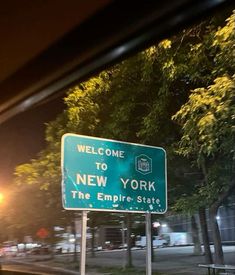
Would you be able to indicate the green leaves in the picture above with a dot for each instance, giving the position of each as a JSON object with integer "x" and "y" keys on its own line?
{"x": 224, "y": 43}
{"x": 83, "y": 104}
{"x": 207, "y": 119}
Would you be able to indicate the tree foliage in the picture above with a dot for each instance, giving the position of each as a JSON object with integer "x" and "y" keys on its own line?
{"x": 208, "y": 138}
{"x": 207, "y": 118}
{"x": 209, "y": 134}
{"x": 40, "y": 180}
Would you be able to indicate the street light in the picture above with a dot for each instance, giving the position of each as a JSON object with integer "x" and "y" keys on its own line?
{"x": 1, "y": 198}
{"x": 156, "y": 224}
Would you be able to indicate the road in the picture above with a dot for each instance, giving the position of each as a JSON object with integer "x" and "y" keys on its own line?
{"x": 172, "y": 260}
{"x": 22, "y": 265}
{"x": 26, "y": 268}
{"x": 169, "y": 260}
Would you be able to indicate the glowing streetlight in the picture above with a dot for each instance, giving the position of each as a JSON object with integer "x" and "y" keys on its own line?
{"x": 156, "y": 224}
{"x": 1, "y": 197}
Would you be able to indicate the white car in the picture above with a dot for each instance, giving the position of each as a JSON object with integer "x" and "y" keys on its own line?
{"x": 157, "y": 241}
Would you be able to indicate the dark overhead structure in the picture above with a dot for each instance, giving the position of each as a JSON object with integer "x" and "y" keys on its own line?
{"x": 47, "y": 46}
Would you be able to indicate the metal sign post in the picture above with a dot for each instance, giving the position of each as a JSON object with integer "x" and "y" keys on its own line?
{"x": 123, "y": 245}
{"x": 148, "y": 245}
{"x": 83, "y": 244}
{"x": 108, "y": 175}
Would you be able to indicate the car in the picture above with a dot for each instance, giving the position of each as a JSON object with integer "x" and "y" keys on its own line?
{"x": 157, "y": 241}
{"x": 8, "y": 251}
{"x": 42, "y": 250}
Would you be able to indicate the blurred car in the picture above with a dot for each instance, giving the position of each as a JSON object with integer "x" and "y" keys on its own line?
{"x": 42, "y": 250}
{"x": 113, "y": 245}
{"x": 157, "y": 241}
{"x": 8, "y": 250}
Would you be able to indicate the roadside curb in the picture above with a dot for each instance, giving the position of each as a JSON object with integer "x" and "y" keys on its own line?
{"x": 56, "y": 269}
{"x": 60, "y": 269}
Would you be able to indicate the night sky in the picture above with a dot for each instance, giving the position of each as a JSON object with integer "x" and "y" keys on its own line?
{"x": 22, "y": 137}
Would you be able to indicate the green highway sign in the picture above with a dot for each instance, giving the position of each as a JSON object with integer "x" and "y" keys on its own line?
{"x": 107, "y": 175}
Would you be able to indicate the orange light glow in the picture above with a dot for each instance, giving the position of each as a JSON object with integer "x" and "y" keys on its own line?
{"x": 1, "y": 197}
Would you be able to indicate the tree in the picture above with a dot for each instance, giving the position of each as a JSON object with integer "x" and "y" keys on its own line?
{"x": 42, "y": 208}
{"x": 207, "y": 121}
{"x": 208, "y": 137}
{"x": 149, "y": 88}
{"x": 42, "y": 176}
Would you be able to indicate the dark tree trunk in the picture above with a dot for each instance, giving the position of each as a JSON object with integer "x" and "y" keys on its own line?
{"x": 205, "y": 238}
{"x": 203, "y": 222}
{"x": 152, "y": 234}
{"x": 75, "y": 241}
{"x": 53, "y": 242}
{"x": 195, "y": 236}
{"x": 93, "y": 223}
{"x": 76, "y": 227}
{"x": 219, "y": 255}
{"x": 92, "y": 242}
{"x": 129, "y": 242}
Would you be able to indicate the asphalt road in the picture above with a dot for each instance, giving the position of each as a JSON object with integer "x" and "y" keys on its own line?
{"x": 39, "y": 267}
{"x": 169, "y": 260}
{"x": 12, "y": 266}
